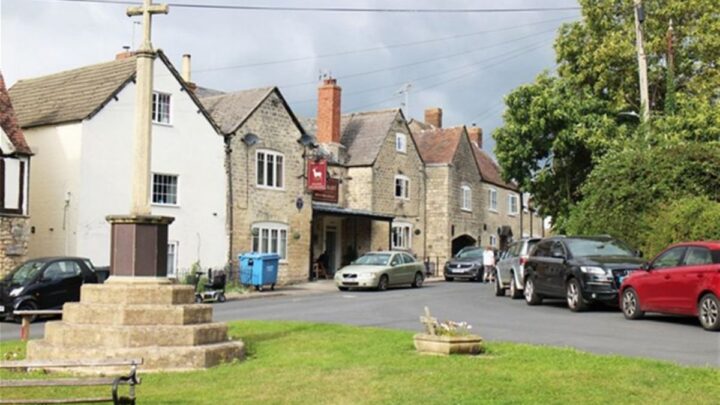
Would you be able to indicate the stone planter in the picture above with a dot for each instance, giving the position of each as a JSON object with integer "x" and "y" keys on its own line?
{"x": 445, "y": 345}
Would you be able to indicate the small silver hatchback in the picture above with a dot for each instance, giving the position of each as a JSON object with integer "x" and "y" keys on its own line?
{"x": 511, "y": 268}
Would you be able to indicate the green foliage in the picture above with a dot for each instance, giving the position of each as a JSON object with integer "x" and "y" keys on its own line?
{"x": 686, "y": 219}
{"x": 627, "y": 188}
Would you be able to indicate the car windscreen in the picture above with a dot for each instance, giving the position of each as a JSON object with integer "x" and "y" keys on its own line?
{"x": 374, "y": 259}
{"x": 470, "y": 254}
{"x": 592, "y": 247}
{"x": 26, "y": 272}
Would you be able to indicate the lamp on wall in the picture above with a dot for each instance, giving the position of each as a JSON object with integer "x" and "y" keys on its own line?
{"x": 250, "y": 139}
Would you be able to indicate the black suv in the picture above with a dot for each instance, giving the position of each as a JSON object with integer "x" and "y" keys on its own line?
{"x": 45, "y": 283}
{"x": 579, "y": 269}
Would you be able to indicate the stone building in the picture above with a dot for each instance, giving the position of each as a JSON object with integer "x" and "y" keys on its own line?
{"x": 269, "y": 209}
{"x": 376, "y": 187}
{"x": 14, "y": 186}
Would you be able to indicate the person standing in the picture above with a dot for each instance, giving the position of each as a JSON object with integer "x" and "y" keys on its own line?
{"x": 488, "y": 264}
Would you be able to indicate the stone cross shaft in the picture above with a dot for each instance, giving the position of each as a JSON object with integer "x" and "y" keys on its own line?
{"x": 142, "y": 145}
{"x": 429, "y": 322}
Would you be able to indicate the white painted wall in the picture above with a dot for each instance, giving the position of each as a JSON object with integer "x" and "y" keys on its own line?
{"x": 55, "y": 171}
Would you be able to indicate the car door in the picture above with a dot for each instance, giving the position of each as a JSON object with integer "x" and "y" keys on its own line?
{"x": 658, "y": 287}
{"x": 696, "y": 266}
{"x": 557, "y": 269}
{"x": 396, "y": 269}
{"x": 411, "y": 267}
{"x": 540, "y": 262}
{"x": 49, "y": 292}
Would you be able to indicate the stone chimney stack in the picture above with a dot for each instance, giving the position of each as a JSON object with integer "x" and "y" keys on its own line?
{"x": 328, "y": 115}
{"x": 433, "y": 116}
{"x": 126, "y": 53}
{"x": 476, "y": 136}
{"x": 186, "y": 68}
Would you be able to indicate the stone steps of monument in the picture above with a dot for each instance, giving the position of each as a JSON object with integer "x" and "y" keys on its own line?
{"x": 155, "y": 358}
{"x": 136, "y": 314}
{"x": 118, "y": 336}
{"x": 165, "y": 294}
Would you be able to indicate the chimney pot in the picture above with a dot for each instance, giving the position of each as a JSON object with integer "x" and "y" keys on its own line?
{"x": 433, "y": 116}
{"x": 328, "y": 115}
{"x": 476, "y": 136}
{"x": 186, "y": 68}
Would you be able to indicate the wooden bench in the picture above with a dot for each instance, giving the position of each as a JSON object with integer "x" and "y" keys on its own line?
{"x": 131, "y": 380}
{"x": 28, "y": 315}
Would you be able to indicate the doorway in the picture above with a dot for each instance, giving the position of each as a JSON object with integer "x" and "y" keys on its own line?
{"x": 461, "y": 242}
{"x": 331, "y": 250}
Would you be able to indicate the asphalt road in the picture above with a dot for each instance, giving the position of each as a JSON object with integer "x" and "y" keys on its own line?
{"x": 603, "y": 331}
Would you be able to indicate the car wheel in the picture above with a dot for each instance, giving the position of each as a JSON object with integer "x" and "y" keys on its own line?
{"x": 709, "y": 312}
{"x": 480, "y": 276}
{"x": 26, "y": 306}
{"x": 448, "y": 278}
{"x": 343, "y": 288}
{"x": 514, "y": 292}
{"x": 418, "y": 282}
{"x": 499, "y": 290}
{"x": 631, "y": 304}
{"x": 531, "y": 297}
{"x": 221, "y": 297}
{"x": 383, "y": 283}
{"x": 575, "y": 301}
{"x": 198, "y": 299}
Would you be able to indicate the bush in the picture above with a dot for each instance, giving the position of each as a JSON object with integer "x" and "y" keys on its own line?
{"x": 686, "y": 219}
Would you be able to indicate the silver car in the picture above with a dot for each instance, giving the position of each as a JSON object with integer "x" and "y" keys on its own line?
{"x": 511, "y": 268}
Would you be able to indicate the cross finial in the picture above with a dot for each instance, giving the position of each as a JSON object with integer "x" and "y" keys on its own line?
{"x": 147, "y": 10}
{"x": 429, "y": 322}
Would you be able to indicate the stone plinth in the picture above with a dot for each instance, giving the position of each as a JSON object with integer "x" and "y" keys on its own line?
{"x": 146, "y": 318}
{"x": 446, "y": 345}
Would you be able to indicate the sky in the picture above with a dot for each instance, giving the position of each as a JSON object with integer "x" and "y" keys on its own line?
{"x": 463, "y": 63}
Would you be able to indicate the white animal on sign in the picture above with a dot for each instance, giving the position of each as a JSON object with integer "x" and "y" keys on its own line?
{"x": 317, "y": 174}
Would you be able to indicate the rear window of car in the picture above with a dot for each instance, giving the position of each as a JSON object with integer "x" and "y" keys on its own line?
{"x": 716, "y": 256}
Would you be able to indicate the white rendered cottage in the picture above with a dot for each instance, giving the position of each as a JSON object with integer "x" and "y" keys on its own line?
{"x": 80, "y": 123}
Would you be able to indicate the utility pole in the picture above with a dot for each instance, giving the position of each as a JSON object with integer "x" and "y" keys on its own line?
{"x": 642, "y": 62}
{"x": 670, "y": 78}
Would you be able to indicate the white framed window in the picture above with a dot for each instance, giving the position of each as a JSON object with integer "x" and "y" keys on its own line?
{"x": 161, "y": 108}
{"x": 401, "y": 142}
{"x": 402, "y": 187}
{"x": 466, "y": 198}
{"x": 270, "y": 168}
{"x": 165, "y": 189}
{"x": 401, "y": 235}
{"x": 493, "y": 240}
{"x": 270, "y": 237}
{"x": 526, "y": 202}
{"x": 172, "y": 257}
{"x": 492, "y": 199}
{"x": 513, "y": 204}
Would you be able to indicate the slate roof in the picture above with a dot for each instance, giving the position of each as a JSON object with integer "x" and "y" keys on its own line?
{"x": 207, "y": 92}
{"x": 230, "y": 110}
{"x": 9, "y": 123}
{"x": 72, "y": 95}
{"x": 438, "y": 145}
{"x": 489, "y": 169}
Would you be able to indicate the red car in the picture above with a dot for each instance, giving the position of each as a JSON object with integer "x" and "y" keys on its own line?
{"x": 683, "y": 279}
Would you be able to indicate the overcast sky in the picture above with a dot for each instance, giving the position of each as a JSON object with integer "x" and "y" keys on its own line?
{"x": 468, "y": 78}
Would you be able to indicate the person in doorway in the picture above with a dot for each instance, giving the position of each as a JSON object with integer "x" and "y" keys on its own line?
{"x": 321, "y": 265}
{"x": 489, "y": 264}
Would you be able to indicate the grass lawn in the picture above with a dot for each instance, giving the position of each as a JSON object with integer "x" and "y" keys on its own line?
{"x": 293, "y": 362}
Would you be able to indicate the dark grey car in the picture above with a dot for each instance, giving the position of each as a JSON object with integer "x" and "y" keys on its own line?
{"x": 466, "y": 265}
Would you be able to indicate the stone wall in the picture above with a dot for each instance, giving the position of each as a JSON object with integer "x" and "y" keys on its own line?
{"x": 14, "y": 237}
{"x": 465, "y": 173}
{"x": 438, "y": 211}
{"x": 272, "y": 123}
{"x": 501, "y": 216}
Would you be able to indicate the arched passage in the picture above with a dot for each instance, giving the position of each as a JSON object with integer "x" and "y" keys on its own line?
{"x": 461, "y": 242}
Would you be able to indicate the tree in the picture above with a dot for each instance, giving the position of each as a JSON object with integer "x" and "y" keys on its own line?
{"x": 557, "y": 128}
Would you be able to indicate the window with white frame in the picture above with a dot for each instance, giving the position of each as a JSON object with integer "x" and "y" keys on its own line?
{"x": 513, "y": 204}
{"x": 270, "y": 169}
{"x": 270, "y": 237}
{"x": 401, "y": 235}
{"x": 493, "y": 240}
{"x": 172, "y": 255}
{"x": 526, "y": 202}
{"x": 161, "y": 108}
{"x": 492, "y": 199}
{"x": 466, "y": 198}
{"x": 402, "y": 187}
{"x": 401, "y": 142}
{"x": 165, "y": 189}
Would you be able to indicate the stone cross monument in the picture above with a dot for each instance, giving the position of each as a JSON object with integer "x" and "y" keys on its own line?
{"x": 139, "y": 240}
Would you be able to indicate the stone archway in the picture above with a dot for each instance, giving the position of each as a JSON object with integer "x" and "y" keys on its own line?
{"x": 461, "y": 242}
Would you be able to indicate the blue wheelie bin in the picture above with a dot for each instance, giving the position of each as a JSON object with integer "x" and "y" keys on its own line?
{"x": 259, "y": 269}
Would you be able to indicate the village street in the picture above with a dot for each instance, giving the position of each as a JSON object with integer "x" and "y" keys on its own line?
{"x": 603, "y": 331}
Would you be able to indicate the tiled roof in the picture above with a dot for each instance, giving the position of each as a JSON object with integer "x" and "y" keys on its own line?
{"x": 489, "y": 169}
{"x": 230, "y": 110}
{"x": 9, "y": 123}
{"x": 417, "y": 126}
{"x": 438, "y": 145}
{"x": 207, "y": 92}
{"x": 72, "y": 95}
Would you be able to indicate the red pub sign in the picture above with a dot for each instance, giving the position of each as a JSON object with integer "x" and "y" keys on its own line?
{"x": 317, "y": 175}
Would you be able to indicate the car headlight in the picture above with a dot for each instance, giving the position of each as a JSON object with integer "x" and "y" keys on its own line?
{"x": 598, "y": 271}
{"x": 16, "y": 291}
{"x": 366, "y": 275}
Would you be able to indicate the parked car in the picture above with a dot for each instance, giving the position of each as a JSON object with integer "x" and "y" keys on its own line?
{"x": 380, "y": 270}
{"x": 510, "y": 269}
{"x": 580, "y": 269}
{"x": 466, "y": 265}
{"x": 684, "y": 279}
{"x": 45, "y": 283}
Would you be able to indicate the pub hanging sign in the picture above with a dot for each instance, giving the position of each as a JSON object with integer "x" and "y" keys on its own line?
{"x": 317, "y": 175}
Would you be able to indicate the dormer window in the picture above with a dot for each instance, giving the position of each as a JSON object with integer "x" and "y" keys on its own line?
{"x": 401, "y": 142}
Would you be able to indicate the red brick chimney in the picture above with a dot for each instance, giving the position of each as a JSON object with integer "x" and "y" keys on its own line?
{"x": 475, "y": 134}
{"x": 433, "y": 116}
{"x": 126, "y": 53}
{"x": 328, "y": 115}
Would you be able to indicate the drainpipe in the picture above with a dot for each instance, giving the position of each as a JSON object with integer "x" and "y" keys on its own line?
{"x": 229, "y": 204}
